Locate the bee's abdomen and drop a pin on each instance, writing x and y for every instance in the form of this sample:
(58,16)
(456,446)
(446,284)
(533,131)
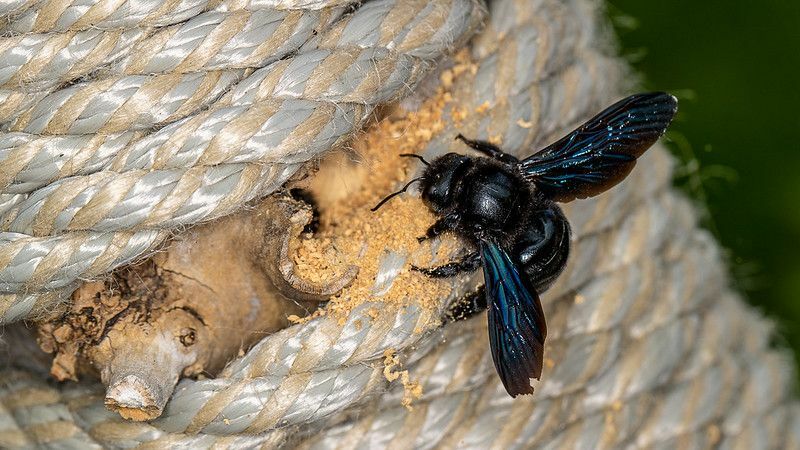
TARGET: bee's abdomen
(543,247)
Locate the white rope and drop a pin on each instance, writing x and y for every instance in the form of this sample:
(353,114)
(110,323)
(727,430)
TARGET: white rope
(647,347)
(40,16)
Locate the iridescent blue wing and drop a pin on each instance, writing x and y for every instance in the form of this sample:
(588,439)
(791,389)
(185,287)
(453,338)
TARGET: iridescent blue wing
(601,152)
(516,323)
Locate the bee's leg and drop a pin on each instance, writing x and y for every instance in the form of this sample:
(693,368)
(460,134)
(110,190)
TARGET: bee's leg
(469,263)
(445,223)
(488,149)
(468,305)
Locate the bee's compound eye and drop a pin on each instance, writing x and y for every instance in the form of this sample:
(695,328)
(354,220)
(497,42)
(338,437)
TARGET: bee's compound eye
(437,194)
(441,178)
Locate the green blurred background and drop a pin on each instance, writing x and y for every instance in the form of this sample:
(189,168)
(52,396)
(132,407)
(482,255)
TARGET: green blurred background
(735,66)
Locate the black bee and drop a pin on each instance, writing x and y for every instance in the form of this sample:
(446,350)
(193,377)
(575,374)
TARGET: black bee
(506,208)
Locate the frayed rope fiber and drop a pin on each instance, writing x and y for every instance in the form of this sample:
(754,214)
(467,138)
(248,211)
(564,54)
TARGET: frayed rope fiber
(124,121)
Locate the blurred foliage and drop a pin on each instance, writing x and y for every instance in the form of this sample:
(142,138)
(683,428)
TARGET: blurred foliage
(735,67)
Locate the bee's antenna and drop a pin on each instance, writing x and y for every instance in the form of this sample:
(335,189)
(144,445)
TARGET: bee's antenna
(394,194)
(414,155)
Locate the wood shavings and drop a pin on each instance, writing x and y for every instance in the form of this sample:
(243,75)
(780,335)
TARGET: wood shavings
(294,319)
(482,108)
(524,123)
(412,390)
(496,139)
(349,183)
(714,434)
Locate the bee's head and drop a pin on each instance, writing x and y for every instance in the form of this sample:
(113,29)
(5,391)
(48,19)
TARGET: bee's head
(440,179)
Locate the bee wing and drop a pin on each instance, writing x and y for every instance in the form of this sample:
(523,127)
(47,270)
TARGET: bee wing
(516,323)
(602,151)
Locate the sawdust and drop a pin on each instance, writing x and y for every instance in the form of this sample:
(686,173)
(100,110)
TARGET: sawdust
(349,183)
(522,123)
(482,108)
(412,390)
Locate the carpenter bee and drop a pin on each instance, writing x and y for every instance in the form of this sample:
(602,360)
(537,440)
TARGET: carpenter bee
(506,209)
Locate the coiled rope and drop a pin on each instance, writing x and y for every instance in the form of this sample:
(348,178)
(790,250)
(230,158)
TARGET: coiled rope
(123,121)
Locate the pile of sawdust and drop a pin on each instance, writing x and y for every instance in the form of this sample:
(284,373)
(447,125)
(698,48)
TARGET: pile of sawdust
(349,183)
(391,371)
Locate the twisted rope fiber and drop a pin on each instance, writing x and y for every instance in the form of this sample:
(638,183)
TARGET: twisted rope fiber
(42,16)
(38,16)
(649,348)
(215,41)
